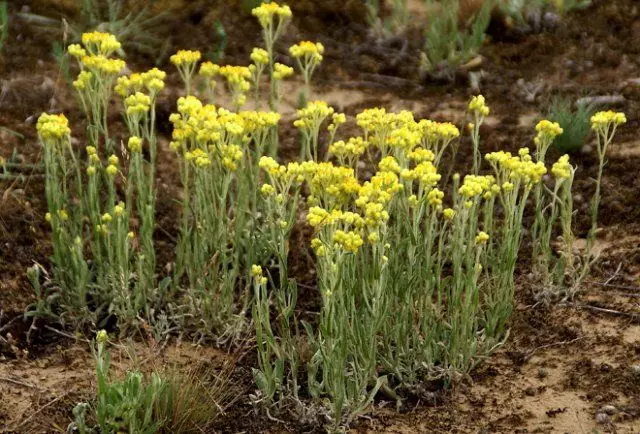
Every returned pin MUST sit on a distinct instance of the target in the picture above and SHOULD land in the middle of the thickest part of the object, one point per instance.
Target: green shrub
(448, 43)
(575, 123)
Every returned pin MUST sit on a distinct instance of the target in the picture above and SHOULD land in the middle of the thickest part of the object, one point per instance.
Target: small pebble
(635, 369)
(602, 418)
(608, 409)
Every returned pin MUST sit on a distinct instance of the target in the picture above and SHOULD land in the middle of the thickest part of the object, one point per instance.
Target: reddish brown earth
(560, 365)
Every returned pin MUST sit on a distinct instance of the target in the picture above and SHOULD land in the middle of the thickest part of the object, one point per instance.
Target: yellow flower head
(478, 106)
(310, 51)
(435, 197)
(280, 71)
(547, 131)
(185, 58)
(76, 51)
(256, 271)
(353, 148)
(562, 168)
(209, 69)
(83, 80)
(101, 337)
(349, 241)
(267, 190)
(602, 120)
(137, 104)
(111, 170)
(259, 56)
(118, 210)
(482, 238)
(100, 64)
(266, 12)
(53, 127)
(100, 43)
(135, 144)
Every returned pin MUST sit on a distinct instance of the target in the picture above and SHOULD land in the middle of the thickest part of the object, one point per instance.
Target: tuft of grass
(4, 23)
(574, 119)
(394, 23)
(138, 30)
(448, 43)
(167, 400)
(194, 399)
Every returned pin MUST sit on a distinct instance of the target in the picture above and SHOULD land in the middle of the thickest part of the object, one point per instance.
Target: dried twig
(20, 383)
(633, 316)
(67, 335)
(614, 286)
(553, 344)
(49, 404)
(602, 100)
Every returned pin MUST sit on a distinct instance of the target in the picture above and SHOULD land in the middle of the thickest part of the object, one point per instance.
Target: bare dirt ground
(571, 368)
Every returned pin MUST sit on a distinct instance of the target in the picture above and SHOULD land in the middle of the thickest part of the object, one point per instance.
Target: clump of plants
(4, 23)
(161, 402)
(396, 21)
(575, 121)
(449, 43)
(415, 270)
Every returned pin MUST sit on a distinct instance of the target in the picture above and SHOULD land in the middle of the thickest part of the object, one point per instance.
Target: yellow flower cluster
(310, 117)
(83, 80)
(137, 104)
(185, 58)
(474, 185)
(53, 127)
(353, 148)
(199, 157)
(76, 51)
(331, 185)
(135, 144)
(152, 80)
(405, 138)
(311, 51)
(434, 132)
(214, 131)
(401, 132)
(389, 164)
(97, 43)
(267, 11)
(349, 241)
(425, 172)
(237, 78)
(380, 189)
(280, 71)
(482, 237)
(547, 132)
(517, 168)
(420, 154)
(99, 64)
(236, 75)
(478, 106)
(259, 56)
(434, 197)
(602, 120)
(561, 168)
(259, 122)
